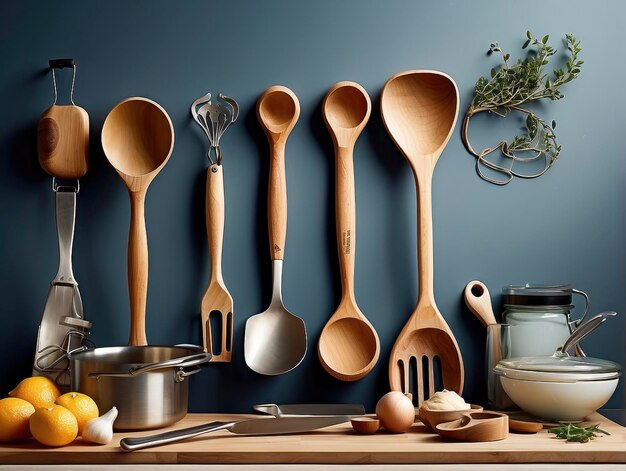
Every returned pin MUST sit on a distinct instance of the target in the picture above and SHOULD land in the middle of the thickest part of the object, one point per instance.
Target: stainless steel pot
(147, 384)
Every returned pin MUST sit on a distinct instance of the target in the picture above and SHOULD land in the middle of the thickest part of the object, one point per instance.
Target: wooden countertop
(337, 444)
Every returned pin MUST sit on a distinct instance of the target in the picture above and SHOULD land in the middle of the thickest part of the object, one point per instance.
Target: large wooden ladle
(348, 346)
(419, 109)
(137, 138)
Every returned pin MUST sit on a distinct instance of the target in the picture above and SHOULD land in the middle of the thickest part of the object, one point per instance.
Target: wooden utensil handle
(478, 301)
(425, 238)
(277, 200)
(215, 218)
(345, 213)
(137, 269)
(63, 141)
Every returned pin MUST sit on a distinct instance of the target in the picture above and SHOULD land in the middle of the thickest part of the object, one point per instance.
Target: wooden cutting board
(334, 445)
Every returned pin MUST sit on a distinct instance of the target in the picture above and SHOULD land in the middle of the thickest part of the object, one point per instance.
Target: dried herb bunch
(511, 88)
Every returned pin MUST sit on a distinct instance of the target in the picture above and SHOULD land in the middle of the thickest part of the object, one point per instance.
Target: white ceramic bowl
(570, 401)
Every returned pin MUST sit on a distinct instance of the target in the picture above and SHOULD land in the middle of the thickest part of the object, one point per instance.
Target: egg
(396, 412)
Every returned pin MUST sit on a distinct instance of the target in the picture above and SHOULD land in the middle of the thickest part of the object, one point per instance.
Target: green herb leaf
(574, 433)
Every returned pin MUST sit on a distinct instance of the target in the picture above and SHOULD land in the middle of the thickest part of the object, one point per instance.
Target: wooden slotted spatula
(419, 109)
(214, 117)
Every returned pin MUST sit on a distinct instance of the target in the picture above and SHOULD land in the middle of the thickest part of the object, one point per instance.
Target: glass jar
(541, 315)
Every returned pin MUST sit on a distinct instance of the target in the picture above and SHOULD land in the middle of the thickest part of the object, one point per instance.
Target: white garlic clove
(100, 429)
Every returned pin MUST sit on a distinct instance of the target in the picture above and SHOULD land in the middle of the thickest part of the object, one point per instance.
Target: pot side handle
(183, 362)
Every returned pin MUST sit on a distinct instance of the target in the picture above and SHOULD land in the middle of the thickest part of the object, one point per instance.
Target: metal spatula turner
(214, 117)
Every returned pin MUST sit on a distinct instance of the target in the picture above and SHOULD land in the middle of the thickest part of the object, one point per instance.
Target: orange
(54, 426)
(38, 390)
(82, 406)
(14, 415)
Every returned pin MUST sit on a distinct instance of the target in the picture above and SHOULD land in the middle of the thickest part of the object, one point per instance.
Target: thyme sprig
(573, 433)
(513, 86)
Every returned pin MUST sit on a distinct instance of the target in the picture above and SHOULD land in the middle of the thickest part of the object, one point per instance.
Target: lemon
(38, 390)
(82, 406)
(54, 426)
(14, 415)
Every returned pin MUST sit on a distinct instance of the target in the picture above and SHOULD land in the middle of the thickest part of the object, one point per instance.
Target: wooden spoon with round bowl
(420, 109)
(137, 138)
(348, 347)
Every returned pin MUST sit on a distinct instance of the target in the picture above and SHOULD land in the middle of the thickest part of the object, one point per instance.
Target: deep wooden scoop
(137, 138)
(419, 109)
(348, 347)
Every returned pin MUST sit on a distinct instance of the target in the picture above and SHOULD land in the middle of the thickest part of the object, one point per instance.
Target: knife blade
(261, 426)
(282, 410)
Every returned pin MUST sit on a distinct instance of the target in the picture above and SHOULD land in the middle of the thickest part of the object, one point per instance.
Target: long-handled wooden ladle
(137, 138)
(419, 109)
(348, 346)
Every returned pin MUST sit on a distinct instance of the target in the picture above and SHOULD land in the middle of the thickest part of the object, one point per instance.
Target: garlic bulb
(100, 429)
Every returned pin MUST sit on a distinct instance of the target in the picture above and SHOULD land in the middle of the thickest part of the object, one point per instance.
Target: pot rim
(191, 355)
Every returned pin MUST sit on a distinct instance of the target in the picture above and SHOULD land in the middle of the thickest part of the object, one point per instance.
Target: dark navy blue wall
(568, 226)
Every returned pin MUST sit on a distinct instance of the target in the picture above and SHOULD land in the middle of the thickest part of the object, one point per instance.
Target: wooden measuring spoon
(275, 340)
(476, 427)
(137, 138)
(419, 109)
(478, 301)
(348, 346)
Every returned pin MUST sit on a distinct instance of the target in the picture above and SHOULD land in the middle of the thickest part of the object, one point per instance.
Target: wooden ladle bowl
(278, 110)
(137, 138)
(425, 107)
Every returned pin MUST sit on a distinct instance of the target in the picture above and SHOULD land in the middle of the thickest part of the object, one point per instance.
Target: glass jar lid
(562, 364)
(537, 295)
(558, 368)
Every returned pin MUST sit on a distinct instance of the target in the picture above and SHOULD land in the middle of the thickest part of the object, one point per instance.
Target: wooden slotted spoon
(419, 109)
